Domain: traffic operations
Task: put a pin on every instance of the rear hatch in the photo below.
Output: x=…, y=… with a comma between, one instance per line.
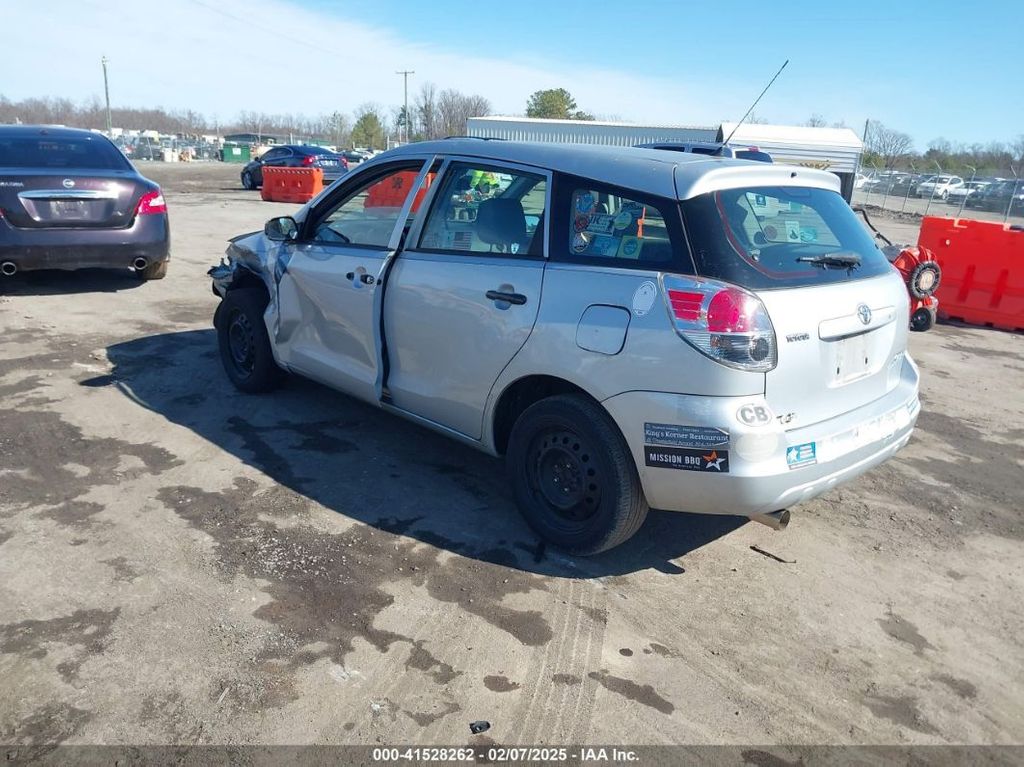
x=838, y=309
x=48, y=181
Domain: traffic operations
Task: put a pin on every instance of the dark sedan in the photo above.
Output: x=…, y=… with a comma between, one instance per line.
x=331, y=163
x=69, y=199
x=1000, y=197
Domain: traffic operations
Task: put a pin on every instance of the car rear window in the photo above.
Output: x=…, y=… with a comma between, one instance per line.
x=52, y=152
x=757, y=237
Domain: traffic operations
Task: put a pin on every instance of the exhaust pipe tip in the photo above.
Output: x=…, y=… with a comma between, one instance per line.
x=8, y=268
x=776, y=520
x=139, y=264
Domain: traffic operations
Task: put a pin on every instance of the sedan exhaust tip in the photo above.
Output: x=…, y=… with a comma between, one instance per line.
x=139, y=264
x=8, y=268
x=776, y=520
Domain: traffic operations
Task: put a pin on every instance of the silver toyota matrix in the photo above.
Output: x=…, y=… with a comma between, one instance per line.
x=630, y=328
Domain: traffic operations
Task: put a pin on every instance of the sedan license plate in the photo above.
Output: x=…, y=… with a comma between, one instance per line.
x=69, y=208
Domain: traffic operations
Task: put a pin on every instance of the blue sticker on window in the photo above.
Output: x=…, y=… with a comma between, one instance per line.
x=798, y=456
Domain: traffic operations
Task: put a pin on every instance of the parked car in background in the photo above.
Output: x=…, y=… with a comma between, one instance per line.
x=1000, y=197
x=628, y=327
x=963, y=193
x=70, y=199
x=711, y=149
x=939, y=187
x=333, y=165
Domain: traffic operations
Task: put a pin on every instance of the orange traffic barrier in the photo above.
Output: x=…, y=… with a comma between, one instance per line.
x=291, y=184
x=391, y=191
x=982, y=270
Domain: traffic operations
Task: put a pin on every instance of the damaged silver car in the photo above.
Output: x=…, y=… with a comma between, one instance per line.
x=630, y=328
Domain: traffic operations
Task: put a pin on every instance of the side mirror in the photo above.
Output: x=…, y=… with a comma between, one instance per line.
x=281, y=229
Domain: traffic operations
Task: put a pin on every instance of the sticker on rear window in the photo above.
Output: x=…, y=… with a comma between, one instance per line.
x=798, y=456
x=678, y=435
x=687, y=459
x=793, y=231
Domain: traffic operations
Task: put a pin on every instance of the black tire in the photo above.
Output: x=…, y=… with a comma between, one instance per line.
x=924, y=272
x=573, y=476
x=921, y=320
x=244, y=343
x=155, y=271
x=247, y=180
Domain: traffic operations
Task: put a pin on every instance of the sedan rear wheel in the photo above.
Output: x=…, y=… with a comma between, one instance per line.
x=247, y=180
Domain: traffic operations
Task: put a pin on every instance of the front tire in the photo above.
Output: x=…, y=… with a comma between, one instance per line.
x=573, y=476
x=247, y=180
x=244, y=343
x=921, y=320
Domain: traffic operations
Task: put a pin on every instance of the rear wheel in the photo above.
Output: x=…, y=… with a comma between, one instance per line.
x=155, y=271
x=244, y=344
x=247, y=180
x=573, y=475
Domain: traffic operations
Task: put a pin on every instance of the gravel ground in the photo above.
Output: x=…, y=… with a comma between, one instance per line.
x=183, y=564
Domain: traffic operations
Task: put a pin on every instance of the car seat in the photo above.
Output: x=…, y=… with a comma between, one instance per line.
x=501, y=222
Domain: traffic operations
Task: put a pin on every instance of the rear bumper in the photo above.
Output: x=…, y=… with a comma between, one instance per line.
x=78, y=248
x=759, y=477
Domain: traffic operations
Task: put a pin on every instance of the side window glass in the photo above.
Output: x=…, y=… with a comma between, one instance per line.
x=368, y=216
x=608, y=226
x=487, y=210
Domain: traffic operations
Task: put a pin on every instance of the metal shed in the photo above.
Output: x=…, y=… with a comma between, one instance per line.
x=583, y=132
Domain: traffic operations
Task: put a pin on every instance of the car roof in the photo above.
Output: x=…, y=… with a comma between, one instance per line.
x=57, y=131
x=677, y=175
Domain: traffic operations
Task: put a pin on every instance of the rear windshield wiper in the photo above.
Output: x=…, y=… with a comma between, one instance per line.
x=847, y=260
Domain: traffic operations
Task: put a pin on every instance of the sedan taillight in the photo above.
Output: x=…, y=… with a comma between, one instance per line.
x=309, y=159
x=150, y=203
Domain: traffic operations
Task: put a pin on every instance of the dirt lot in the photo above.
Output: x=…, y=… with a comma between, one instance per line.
x=183, y=564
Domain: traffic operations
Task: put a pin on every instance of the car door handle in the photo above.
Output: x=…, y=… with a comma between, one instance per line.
x=512, y=298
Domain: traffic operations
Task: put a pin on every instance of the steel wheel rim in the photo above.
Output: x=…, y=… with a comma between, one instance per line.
x=242, y=343
x=564, y=476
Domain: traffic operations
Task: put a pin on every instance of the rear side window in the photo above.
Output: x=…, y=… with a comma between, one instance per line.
x=95, y=153
x=762, y=238
x=605, y=225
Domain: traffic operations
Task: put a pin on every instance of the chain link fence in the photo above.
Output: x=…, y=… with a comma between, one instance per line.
x=987, y=194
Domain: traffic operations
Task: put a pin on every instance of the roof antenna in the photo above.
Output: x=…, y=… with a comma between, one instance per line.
x=769, y=85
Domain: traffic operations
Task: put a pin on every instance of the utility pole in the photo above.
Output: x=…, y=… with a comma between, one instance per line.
x=106, y=91
x=405, y=119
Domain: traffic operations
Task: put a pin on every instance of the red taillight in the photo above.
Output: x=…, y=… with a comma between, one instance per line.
x=731, y=311
x=308, y=159
x=725, y=322
x=150, y=203
x=685, y=304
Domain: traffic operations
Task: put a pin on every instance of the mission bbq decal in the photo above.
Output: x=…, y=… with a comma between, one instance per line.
x=686, y=459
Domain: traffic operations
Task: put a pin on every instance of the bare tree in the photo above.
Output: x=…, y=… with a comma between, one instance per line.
x=816, y=121
x=888, y=144
x=425, y=112
x=454, y=109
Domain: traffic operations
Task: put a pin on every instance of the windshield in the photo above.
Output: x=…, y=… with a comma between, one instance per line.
x=779, y=237
x=52, y=152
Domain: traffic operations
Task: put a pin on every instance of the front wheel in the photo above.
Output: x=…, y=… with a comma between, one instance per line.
x=244, y=343
x=573, y=476
x=921, y=320
x=247, y=180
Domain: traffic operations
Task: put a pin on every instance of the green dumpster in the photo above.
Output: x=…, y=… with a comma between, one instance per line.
x=237, y=153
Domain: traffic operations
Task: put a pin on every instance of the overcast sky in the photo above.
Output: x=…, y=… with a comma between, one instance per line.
x=663, y=62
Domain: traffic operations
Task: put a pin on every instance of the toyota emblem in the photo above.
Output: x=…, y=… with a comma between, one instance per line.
x=864, y=313
x=68, y=183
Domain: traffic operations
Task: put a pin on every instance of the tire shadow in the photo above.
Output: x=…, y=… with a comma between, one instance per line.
x=371, y=466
